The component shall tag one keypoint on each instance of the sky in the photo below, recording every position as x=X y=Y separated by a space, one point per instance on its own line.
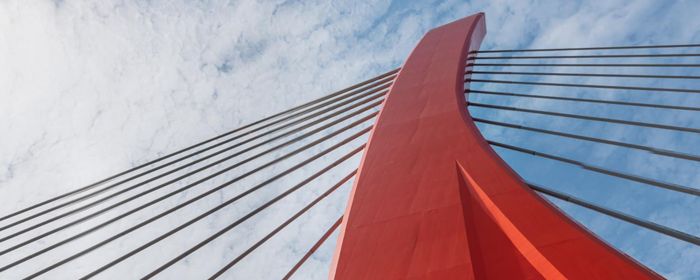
x=91 y=88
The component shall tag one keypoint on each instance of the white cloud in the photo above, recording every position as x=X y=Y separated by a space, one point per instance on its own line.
x=90 y=88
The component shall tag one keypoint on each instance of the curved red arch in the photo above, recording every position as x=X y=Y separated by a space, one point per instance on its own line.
x=432 y=200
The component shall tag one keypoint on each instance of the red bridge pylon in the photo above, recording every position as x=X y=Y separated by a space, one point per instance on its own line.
x=432 y=200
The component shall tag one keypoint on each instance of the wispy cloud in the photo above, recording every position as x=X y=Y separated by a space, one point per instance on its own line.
x=90 y=88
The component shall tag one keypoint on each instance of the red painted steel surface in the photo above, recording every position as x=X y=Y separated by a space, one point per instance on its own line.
x=432 y=200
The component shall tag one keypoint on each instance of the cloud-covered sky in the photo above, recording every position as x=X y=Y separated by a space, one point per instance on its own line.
x=91 y=88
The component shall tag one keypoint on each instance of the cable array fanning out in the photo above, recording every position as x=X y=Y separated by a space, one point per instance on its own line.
x=249 y=173
x=250 y=192
x=589 y=99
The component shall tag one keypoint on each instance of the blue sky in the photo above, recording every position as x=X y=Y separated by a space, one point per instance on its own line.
x=582 y=25
x=90 y=88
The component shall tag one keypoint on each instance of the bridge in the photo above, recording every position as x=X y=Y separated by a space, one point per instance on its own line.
x=448 y=167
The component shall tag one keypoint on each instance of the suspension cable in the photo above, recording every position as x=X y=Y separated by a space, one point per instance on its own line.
x=657 y=151
x=587 y=100
x=635 y=178
x=305 y=147
x=569 y=74
x=302 y=106
x=591 y=118
x=313 y=249
x=585 y=86
x=123 y=233
x=228 y=202
x=278 y=228
x=295 y=122
x=588 y=56
x=592 y=48
x=619 y=215
x=160 y=186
